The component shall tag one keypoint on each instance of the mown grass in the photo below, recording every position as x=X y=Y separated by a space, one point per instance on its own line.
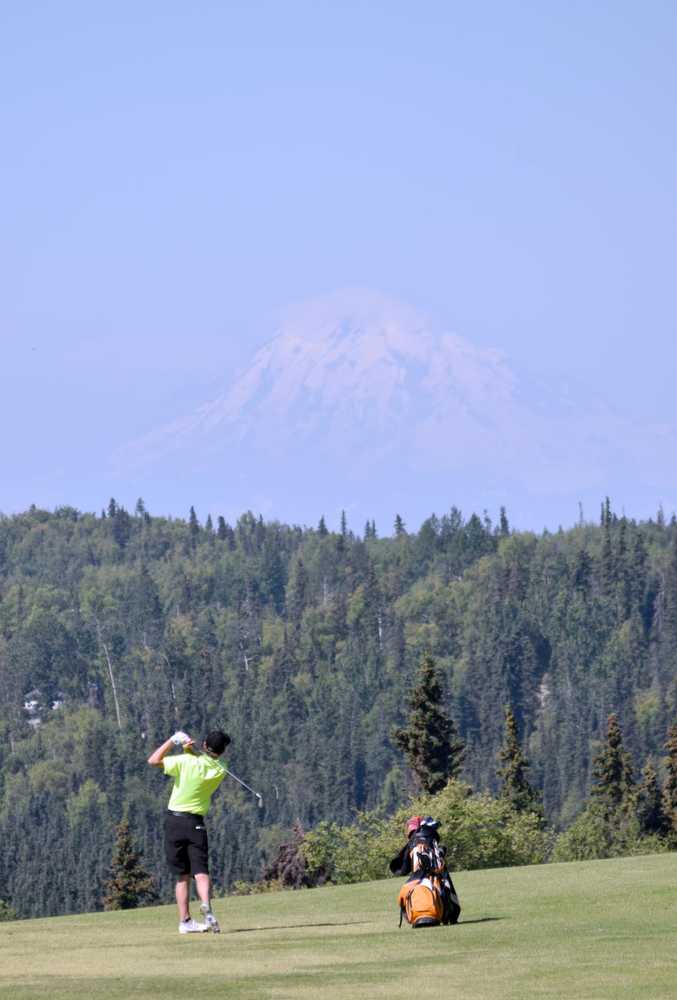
x=604 y=930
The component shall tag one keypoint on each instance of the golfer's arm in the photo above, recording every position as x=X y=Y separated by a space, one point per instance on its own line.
x=155 y=759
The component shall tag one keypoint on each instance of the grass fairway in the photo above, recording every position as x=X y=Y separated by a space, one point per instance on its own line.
x=602 y=930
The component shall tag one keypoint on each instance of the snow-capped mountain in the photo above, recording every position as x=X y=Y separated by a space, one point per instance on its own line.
x=354 y=372
x=358 y=397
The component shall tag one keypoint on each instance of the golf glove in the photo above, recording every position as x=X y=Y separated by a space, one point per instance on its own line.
x=179 y=738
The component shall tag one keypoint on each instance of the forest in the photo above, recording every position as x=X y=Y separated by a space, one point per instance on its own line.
x=304 y=643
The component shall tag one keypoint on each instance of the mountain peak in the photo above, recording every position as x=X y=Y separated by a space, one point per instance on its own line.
x=357 y=391
x=342 y=368
x=347 y=312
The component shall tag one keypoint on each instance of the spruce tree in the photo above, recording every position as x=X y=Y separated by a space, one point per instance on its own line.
x=122 y=527
x=343 y=534
x=670 y=786
x=649 y=806
x=515 y=786
x=430 y=739
x=194 y=527
x=612 y=770
x=298 y=593
x=130 y=885
x=503 y=525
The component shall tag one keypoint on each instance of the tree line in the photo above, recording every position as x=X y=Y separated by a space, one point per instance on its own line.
x=304 y=644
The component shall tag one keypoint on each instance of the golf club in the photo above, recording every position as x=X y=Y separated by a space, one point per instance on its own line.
x=230 y=774
x=245 y=785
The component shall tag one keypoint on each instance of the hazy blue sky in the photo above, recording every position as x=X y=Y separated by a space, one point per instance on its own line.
x=172 y=174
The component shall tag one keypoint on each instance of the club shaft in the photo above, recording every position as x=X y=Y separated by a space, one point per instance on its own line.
x=244 y=784
x=234 y=776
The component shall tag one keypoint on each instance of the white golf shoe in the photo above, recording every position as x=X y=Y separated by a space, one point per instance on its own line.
x=210 y=920
x=192 y=927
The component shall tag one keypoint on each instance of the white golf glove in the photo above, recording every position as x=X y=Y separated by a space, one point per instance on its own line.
x=179 y=738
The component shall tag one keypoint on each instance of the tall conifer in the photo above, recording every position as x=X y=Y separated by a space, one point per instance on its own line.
x=649 y=806
x=430 y=739
x=515 y=786
x=130 y=885
x=612 y=770
x=670 y=787
x=194 y=527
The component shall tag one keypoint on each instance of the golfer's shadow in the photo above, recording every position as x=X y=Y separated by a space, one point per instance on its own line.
x=338 y=923
x=290 y=927
x=479 y=920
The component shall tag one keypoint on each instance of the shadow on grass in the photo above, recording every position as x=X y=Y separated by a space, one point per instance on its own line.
x=338 y=923
x=291 y=927
x=480 y=920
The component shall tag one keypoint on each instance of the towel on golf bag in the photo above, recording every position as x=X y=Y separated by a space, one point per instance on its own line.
x=428 y=897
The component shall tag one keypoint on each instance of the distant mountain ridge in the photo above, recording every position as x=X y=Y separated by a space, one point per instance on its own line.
x=358 y=388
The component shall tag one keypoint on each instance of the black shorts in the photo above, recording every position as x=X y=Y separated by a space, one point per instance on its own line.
x=186 y=844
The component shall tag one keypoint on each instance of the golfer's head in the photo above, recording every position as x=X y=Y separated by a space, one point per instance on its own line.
x=216 y=742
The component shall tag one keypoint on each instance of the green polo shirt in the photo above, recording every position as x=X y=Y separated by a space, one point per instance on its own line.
x=196 y=778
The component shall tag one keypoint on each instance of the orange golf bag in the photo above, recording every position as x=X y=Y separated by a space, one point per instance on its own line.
x=428 y=897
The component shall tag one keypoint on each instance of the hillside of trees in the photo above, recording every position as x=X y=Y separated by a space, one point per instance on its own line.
x=303 y=643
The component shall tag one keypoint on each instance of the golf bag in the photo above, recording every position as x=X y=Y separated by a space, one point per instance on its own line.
x=428 y=897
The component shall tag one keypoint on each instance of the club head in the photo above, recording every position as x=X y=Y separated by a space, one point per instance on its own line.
x=260 y=800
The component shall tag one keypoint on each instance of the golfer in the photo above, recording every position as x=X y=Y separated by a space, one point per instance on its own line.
x=196 y=776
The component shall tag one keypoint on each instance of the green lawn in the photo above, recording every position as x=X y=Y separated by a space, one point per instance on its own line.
x=603 y=930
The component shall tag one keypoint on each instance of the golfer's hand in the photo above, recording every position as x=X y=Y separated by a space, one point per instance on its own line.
x=189 y=745
x=180 y=739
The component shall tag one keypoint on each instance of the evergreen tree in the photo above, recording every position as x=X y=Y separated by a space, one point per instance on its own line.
x=129 y=885
x=399 y=526
x=670 y=787
x=194 y=527
x=515 y=786
x=209 y=525
x=122 y=527
x=503 y=527
x=273 y=572
x=649 y=805
x=322 y=528
x=221 y=529
x=612 y=771
x=297 y=592
x=430 y=739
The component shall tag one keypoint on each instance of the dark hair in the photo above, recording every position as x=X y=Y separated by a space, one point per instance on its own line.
x=217 y=741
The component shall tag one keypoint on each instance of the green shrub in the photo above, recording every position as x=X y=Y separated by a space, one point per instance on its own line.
x=478 y=831
x=595 y=834
x=6 y=912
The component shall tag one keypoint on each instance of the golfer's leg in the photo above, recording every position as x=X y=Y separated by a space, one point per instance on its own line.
x=182 y=896
x=202 y=886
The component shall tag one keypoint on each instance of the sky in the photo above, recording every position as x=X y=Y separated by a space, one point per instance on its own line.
x=173 y=175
